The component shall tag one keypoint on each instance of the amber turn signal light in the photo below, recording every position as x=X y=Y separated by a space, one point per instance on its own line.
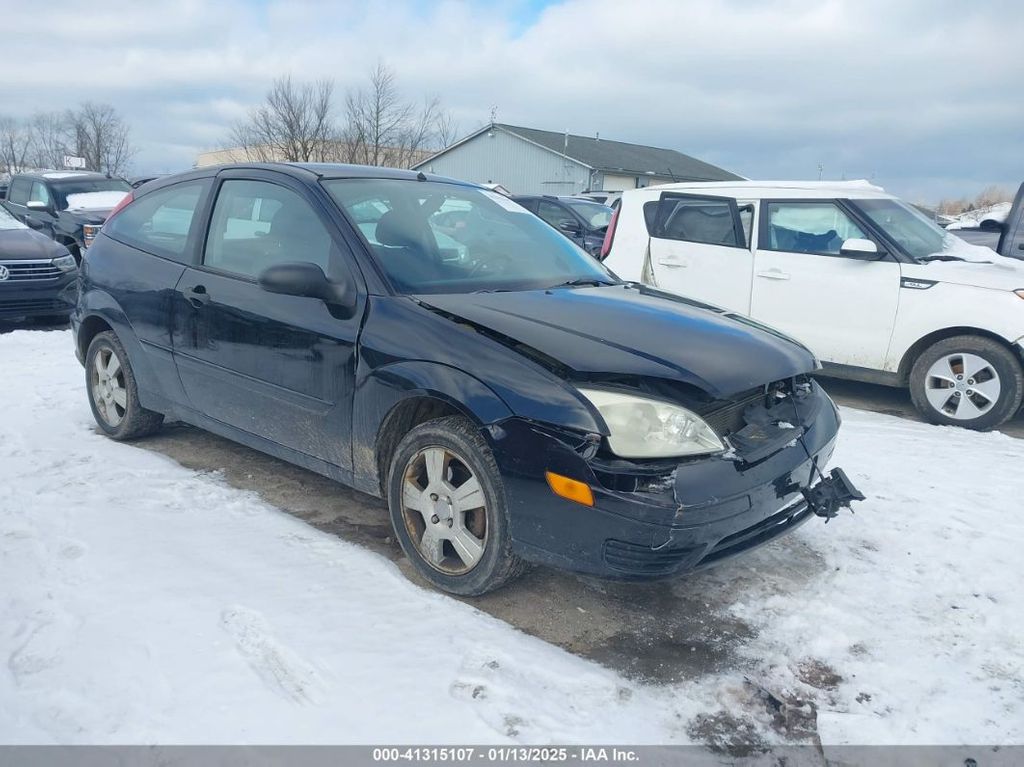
x=572 y=489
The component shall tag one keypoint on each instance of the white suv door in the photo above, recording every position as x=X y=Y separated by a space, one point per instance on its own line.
x=842 y=308
x=699 y=249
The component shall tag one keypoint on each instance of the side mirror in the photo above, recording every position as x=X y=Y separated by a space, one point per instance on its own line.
x=301 y=278
x=570 y=227
x=37 y=205
x=863 y=250
x=991 y=225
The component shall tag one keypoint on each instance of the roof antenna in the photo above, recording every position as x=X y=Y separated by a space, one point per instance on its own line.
x=421 y=176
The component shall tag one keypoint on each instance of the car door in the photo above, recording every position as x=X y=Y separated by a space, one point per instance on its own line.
x=698 y=248
x=41 y=219
x=842 y=308
x=276 y=366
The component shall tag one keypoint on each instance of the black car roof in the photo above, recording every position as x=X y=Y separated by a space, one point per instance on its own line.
x=318 y=170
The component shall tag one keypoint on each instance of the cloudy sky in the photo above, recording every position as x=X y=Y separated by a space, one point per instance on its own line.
x=924 y=96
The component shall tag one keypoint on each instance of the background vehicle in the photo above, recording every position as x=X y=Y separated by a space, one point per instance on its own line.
x=1011 y=231
x=492 y=391
x=874 y=288
x=611 y=199
x=66 y=206
x=37 y=276
x=582 y=221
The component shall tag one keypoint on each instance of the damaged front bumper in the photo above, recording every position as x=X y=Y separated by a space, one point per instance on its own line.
x=699 y=513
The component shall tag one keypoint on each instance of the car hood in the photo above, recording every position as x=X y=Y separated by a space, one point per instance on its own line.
x=983 y=269
x=634 y=330
x=26 y=244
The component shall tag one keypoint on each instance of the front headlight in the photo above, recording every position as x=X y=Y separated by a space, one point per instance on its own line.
x=646 y=428
x=65 y=263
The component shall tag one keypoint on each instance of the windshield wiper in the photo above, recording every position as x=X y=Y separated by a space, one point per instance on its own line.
x=581 y=282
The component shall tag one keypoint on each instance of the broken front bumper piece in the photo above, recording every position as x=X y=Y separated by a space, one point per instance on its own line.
x=834 y=492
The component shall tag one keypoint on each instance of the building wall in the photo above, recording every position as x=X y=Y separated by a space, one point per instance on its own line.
x=519 y=166
x=612 y=182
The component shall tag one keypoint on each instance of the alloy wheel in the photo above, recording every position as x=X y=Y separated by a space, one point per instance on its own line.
x=108 y=388
x=962 y=386
x=444 y=510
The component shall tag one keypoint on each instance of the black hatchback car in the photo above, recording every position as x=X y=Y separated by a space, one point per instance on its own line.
x=510 y=398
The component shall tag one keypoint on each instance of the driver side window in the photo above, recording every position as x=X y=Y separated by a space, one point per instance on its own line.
x=809 y=227
x=554 y=214
x=257 y=224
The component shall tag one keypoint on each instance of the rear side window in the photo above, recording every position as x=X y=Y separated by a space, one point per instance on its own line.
x=159 y=222
x=702 y=220
x=18 y=191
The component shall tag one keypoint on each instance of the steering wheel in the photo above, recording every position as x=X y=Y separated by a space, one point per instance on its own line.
x=491 y=263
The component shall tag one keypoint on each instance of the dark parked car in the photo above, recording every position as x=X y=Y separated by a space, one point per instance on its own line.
x=67 y=206
x=585 y=222
x=1011 y=231
x=510 y=398
x=37 y=276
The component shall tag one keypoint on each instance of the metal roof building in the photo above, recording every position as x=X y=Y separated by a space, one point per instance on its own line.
x=532 y=161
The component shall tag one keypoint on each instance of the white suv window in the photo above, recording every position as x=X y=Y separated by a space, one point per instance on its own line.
x=809 y=227
x=697 y=219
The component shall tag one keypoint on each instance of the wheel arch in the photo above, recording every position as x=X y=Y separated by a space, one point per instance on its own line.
x=919 y=346
x=396 y=398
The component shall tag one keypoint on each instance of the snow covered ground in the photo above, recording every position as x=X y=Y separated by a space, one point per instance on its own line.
x=141 y=602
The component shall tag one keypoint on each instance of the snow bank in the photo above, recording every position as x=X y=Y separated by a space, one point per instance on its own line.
x=972 y=219
x=146 y=603
x=95 y=200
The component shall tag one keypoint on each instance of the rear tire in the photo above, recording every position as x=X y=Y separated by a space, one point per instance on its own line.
x=967 y=381
x=113 y=393
x=448 y=509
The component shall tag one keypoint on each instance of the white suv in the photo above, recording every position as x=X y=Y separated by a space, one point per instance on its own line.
x=877 y=291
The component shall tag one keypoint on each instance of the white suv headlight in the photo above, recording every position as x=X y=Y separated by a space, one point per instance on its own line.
x=646 y=428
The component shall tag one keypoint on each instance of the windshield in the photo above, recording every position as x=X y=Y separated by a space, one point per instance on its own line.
x=7 y=221
x=915 y=233
x=432 y=237
x=80 y=186
x=596 y=215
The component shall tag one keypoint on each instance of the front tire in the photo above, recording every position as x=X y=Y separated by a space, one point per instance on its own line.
x=448 y=509
x=967 y=381
x=113 y=393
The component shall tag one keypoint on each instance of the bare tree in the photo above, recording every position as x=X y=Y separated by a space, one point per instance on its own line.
x=50 y=139
x=447 y=131
x=992 y=195
x=99 y=135
x=15 y=143
x=294 y=123
x=382 y=128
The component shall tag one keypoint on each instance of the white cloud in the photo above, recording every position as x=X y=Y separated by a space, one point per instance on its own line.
x=922 y=95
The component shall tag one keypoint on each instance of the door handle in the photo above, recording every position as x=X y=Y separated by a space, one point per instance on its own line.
x=774 y=274
x=197 y=296
x=673 y=263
